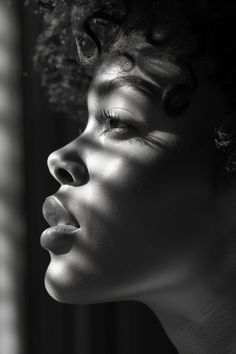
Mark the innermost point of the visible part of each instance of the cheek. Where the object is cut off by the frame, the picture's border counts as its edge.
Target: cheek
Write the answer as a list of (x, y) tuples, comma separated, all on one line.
[(144, 199), (119, 182), (132, 186), (126, 167)]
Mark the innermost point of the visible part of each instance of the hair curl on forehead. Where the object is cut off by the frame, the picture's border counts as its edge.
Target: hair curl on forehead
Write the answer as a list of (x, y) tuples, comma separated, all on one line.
[(163, 37)]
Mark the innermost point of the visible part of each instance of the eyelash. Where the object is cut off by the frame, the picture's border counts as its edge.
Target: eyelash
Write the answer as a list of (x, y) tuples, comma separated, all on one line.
[(104, 116)]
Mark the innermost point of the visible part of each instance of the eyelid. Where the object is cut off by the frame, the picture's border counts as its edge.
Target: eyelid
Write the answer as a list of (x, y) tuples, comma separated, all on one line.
[(131, 119), (120, 114), (103, 114), (132, 131), (125, 110)]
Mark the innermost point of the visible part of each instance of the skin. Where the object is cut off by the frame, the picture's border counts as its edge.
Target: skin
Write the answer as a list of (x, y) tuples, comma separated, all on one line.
[(153, 228)]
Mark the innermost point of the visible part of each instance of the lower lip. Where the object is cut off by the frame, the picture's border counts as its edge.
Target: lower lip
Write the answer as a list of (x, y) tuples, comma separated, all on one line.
[(59, 239)]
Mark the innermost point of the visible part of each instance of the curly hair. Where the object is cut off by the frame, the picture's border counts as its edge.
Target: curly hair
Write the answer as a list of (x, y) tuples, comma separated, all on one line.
[(164, 37)]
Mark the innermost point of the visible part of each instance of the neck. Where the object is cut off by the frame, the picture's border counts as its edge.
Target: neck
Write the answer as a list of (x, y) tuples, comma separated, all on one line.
[(198, 309), (200, 319)]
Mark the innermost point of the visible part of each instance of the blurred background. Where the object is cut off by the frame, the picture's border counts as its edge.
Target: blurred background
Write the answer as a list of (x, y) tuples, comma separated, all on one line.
[(30, 321)]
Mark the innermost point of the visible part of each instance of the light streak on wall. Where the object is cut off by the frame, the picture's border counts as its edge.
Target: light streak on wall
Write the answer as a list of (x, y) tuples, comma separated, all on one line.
[(11, 182)]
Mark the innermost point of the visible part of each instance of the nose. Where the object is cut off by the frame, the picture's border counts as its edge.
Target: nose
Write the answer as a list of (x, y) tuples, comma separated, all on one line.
[(67, 166)]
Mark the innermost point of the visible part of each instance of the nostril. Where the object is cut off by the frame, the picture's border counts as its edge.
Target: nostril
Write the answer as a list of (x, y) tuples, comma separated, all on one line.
[(64, 176)]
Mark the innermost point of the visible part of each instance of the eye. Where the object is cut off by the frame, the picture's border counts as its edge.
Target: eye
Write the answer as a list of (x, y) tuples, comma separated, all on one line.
[(112, 123)]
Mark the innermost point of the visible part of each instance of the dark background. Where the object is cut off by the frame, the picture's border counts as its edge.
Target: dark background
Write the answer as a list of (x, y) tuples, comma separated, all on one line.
[(51, 327)]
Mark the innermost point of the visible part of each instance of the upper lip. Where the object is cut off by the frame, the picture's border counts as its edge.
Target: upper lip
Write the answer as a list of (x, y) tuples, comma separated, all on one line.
[(55, 213)]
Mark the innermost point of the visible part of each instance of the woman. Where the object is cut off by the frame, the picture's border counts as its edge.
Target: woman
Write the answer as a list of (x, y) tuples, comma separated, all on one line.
[(145, 207)]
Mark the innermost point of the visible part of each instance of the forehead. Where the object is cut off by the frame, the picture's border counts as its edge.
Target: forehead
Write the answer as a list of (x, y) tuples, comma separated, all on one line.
[(134, 83), (114, 86), (149, 67), (119, 75), (147, 72), (110, 70)]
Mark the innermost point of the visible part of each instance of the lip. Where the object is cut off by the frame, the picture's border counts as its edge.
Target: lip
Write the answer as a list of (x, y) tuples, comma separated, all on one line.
[(59, 239), (55, 213)]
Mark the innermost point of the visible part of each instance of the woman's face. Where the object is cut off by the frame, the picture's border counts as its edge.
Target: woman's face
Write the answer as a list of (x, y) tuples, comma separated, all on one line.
[(140, 185)]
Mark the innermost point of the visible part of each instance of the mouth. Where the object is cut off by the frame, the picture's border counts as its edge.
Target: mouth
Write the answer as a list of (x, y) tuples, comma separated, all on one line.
[(59, 237)]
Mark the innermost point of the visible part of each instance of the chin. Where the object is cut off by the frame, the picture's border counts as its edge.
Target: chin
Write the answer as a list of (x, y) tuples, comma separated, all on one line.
[(61, 293), (66, 286), (67, 294)]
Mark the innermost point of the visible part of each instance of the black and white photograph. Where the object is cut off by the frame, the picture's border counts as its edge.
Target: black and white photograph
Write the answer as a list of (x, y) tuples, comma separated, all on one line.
[(117, 177)]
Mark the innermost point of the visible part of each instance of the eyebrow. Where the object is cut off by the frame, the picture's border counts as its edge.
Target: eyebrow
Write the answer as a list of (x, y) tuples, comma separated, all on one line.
[(137, 84)]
